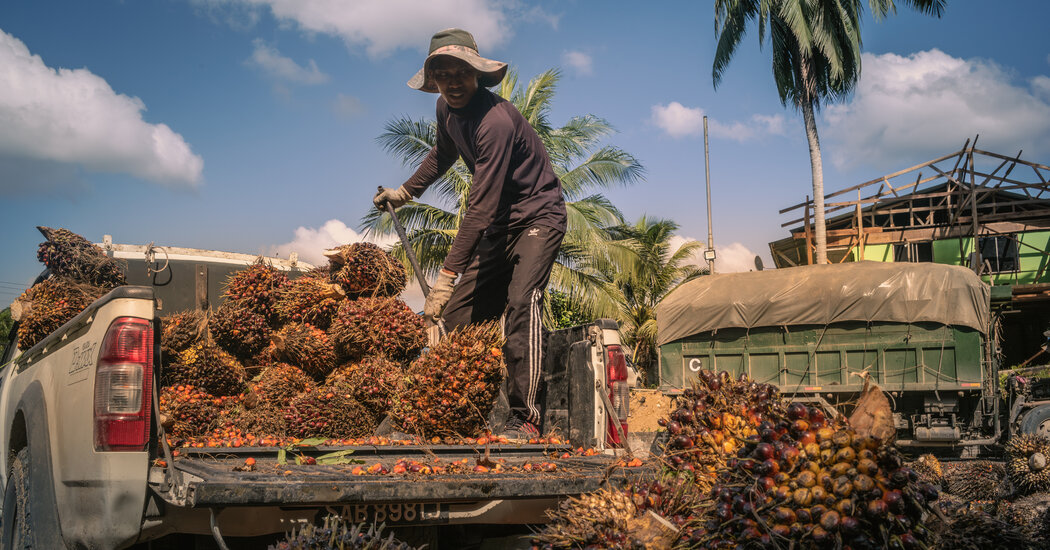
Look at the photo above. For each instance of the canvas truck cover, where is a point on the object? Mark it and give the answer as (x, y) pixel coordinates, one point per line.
(825, 294)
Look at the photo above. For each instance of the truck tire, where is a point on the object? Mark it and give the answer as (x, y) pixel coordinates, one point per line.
(1036, 421)
(18, 531)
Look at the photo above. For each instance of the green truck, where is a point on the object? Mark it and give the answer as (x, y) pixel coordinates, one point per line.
(923, 332)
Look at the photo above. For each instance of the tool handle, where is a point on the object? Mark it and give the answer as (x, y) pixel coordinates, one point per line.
(408, 249)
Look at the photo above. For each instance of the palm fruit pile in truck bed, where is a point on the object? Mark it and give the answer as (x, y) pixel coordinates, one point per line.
(327, 355)
(80, 273)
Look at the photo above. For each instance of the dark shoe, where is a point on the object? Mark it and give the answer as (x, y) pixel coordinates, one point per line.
(518, 430)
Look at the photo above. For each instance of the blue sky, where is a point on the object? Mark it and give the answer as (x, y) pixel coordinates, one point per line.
(250, 125)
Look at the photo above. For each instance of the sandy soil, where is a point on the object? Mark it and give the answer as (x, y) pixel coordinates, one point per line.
(648, 406)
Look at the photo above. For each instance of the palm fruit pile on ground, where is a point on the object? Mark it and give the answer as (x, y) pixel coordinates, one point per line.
(975, 480)
(792, 478)
(814, 481)
(450, 389)
(713, 419)
(67, 254)
(336, 533)
(365, 270)
(623, 519)
(1028, 463)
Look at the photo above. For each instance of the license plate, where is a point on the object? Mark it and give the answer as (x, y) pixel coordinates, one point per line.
(411, 512)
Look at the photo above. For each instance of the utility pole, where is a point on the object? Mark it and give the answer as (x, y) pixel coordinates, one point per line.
(709, 254)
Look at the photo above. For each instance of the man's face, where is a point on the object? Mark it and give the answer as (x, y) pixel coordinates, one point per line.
(456, 80)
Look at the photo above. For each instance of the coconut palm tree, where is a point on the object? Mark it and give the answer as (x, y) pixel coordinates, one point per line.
(583, 165)
(638, 267)
(816, 59)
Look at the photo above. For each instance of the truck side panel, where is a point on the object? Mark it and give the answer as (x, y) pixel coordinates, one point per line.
(90, 488)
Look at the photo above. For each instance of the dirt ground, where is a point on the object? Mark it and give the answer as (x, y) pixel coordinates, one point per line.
(648, 406)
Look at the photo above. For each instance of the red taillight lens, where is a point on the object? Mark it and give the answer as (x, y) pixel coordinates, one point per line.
(619, 393)
(124, 386)
(615, 363)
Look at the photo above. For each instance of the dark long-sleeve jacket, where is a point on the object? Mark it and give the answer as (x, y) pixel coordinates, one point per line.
(514, 185)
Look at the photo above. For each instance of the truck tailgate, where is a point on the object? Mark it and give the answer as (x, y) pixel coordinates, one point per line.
(209, 478)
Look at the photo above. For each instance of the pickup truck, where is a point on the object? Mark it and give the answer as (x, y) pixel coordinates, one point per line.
(85, 464)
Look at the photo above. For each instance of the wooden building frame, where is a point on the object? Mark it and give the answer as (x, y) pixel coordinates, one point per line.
(962, 196)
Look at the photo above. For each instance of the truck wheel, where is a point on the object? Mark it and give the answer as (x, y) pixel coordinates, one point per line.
(18, 529)
(1037, 421)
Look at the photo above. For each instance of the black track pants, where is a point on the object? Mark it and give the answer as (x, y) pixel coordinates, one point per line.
(506, 277)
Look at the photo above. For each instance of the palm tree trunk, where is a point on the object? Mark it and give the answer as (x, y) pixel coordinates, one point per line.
(820, 231)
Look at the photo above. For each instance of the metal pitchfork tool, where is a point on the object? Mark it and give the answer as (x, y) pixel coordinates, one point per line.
(432, 337)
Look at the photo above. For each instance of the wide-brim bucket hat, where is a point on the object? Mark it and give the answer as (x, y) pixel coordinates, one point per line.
(460, 44)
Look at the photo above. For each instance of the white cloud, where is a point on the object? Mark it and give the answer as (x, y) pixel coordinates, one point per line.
(924, 105)
(347, 106)
(382, 26)
(680, 121)
(310, 243)
(580, 62)
(731, 258)
(284, 68)
(72, 116)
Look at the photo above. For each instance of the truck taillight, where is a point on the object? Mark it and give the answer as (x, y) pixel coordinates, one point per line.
(124, 386)
(619, 393)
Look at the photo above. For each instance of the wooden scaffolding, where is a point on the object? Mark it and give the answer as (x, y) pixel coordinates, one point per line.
(965, 195)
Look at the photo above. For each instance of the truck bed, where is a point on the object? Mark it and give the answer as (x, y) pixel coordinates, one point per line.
(208, 478)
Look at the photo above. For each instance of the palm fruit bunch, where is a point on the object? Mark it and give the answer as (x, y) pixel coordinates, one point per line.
(928, 468)
(257, 287)
(377, 326)
(977, 530)
(188, 410)
(240, 330)
(263, 420)
(372, 381)
(207, 366)
(1030, 514)
(67, 254)
(47, 305)
(305, 346)
(450, 390)
(814, 482)
(601, 519)
(364, 269)
(280, 383)
(180, 330)
(337, 534)
(1028, 463)
(624, 518)
(974, 479)
(328, 412)
(309, 299)
(714, 416)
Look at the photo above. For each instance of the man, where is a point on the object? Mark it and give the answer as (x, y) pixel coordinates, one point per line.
(515, 218)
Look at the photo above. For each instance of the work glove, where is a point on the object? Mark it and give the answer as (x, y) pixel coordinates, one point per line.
(439, 295)
(388, 195)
